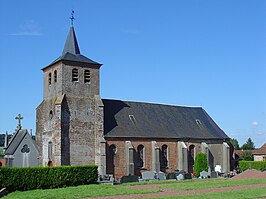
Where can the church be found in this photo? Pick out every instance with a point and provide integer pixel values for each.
(75, 126)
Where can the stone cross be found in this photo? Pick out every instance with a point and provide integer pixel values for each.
(19, 118)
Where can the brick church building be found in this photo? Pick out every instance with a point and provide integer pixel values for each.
(75, 126)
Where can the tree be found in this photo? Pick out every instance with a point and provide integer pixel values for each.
(234, 142)
(247, 156)
(1, 152)
(249, 145)
(201, 163)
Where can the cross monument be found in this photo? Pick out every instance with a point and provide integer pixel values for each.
(19, 118)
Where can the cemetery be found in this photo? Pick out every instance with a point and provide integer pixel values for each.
(250, 183)
(150, 184)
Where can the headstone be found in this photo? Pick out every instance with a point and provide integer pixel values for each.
(218, 168)
(112, 178)
(104, 177)
(171, 176)
(126, 179)
(161, 175)
(180, 177)
(204, 174)
(148, 175)
(214, 174)
(187, 176)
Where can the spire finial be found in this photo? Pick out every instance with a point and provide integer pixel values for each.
(72, 17)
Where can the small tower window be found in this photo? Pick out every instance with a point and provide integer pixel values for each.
(55, 76)
(50, 150)
(75, 75)
(50, 78)
(50, 114)
(87, 76)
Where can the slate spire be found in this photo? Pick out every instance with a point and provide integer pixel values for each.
(71, 45)
(71, 50)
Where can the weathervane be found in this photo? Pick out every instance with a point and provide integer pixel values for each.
(72, 17)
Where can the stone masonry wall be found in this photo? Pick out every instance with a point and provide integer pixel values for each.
(116, 164)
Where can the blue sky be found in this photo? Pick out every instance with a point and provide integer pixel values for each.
(184, 52)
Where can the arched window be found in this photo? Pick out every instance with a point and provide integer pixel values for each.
(50, 150)
(112, 149)
(87, 76)
(140, 156)
(164, 156)
(75, 75)
(191, 154)
(50, 78)
(55, 76)
(192, 151)
(50, 114)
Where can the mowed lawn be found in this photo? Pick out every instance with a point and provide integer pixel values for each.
(87, 191)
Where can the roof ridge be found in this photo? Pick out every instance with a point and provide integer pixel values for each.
(155, 103)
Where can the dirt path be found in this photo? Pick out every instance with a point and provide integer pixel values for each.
(171, 192)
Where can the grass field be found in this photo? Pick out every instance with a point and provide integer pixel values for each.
(212, 184)
(86, 191)
(239, 194)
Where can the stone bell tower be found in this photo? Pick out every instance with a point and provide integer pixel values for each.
(69, 125)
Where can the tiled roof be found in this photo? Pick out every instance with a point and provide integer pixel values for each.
(260, 151)
(147, 120)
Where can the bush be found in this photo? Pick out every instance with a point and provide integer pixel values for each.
(258, 165)
(201, 163)
(46, 177)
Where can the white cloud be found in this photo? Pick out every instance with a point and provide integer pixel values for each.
(255, 123)
(28, 28)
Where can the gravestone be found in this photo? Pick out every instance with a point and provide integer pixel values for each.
(218, 168)
(126, 179)
(104, 178)
(161, 175)
(171, 176)
(187, 176)
(180, 177)
(148, 175)
(214, 174)
(204, 174)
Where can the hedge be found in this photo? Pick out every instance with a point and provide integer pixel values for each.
(258, 165)
(46, 177)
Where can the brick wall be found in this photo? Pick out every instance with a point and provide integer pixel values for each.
(117, 164)
(2, 162)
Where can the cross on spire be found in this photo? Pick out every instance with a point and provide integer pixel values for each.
(19, 118)
(72, 17)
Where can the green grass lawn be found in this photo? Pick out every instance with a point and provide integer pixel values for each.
(203, 184)
(238, 194)
(82, 191)
(86, 191)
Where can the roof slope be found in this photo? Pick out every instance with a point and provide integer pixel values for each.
(16, 140)
(260, 151)
(149, 120)
(71, 51)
